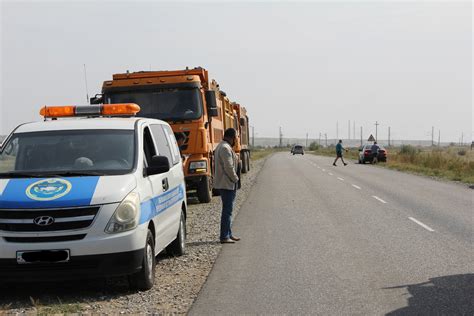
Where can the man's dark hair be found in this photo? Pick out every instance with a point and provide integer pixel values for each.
(230, 133)
(340, 140)
(180, 136)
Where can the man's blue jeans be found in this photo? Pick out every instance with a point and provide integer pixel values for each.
(228, 198)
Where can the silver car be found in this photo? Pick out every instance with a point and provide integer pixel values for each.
(297, 149)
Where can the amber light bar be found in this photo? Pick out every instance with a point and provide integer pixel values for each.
(119, 109)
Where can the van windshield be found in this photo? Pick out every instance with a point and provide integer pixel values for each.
(68, 153)
(164, 104)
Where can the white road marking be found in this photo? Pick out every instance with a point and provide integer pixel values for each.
(330, 174)
(379, 199)
(341, 179)
(421, 224)
(357, 187)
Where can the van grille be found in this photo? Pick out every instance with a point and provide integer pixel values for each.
(23, 220)
(44, 239)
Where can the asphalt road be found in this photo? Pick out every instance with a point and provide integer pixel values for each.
(354, 240)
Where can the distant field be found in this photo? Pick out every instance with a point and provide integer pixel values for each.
(452, 163)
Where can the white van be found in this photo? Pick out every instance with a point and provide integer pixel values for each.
(90, 195)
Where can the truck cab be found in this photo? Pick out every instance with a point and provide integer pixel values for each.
(189, 102)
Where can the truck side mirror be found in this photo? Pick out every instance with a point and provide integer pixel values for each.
(158, 165)
(211, 103)
(97, 99)
(242, 121)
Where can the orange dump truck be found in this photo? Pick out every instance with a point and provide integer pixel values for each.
(192, 104)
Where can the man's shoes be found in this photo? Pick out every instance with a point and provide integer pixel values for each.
(334, 165)
(234, 238)
(227, 241)
(345, 164)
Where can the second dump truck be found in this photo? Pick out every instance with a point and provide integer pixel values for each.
(192, 104)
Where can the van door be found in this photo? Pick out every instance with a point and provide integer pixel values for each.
(152, 206)
(171, 200)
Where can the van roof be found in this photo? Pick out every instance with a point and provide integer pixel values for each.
(82, 123)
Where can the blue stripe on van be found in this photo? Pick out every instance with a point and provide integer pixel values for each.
(157, 205)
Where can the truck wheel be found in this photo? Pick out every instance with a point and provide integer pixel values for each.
(204, 190)
(145, 279)
(177, 247)
(244, 162)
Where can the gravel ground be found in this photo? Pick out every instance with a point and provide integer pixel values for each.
(178, 279)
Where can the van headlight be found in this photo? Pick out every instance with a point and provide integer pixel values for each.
(126, 215)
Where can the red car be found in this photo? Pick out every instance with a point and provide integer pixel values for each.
(365, 154)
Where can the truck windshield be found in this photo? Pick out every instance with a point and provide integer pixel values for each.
(163, 104)
(68, 153)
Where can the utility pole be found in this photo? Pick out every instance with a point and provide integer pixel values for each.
(281, 138)
(319, 138)
(462, 139)
(348, 129)
(354, 130)
(306, 140)
(326, 136)
(361, 142)
(432, 136)
(376, 127)
(389, 136)
(253, 136)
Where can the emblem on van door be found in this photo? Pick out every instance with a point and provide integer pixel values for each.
(48, 190)
(43, 220)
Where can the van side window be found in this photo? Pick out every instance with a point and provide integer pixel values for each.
(162, 142)
(148, 146)
(174, 145)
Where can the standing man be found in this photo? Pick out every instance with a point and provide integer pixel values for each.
(339, 150)
(375, 152)
(226, 181)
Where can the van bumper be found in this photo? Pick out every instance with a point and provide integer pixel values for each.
(79, 267)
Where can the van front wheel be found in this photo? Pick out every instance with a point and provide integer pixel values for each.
(145, 279)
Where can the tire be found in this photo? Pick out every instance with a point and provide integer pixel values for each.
(248, 160)
(244, 162)
(204, 190)
(178, 246)
(145, 278)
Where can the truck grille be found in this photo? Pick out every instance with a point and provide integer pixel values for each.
(46, 220)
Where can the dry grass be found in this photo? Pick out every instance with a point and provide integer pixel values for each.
(453, 163)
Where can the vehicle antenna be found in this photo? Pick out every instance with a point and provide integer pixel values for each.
(85, 80)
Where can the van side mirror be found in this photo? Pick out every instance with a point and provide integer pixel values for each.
(360, 148)
(158, 165)
(211, 103)
(97, 99)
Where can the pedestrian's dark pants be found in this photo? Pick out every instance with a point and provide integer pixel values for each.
(228, 198)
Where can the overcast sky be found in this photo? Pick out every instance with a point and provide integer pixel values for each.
(301, 66)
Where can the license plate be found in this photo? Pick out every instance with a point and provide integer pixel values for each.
(43, 256)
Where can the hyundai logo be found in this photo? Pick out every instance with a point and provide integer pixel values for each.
(43, 220)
